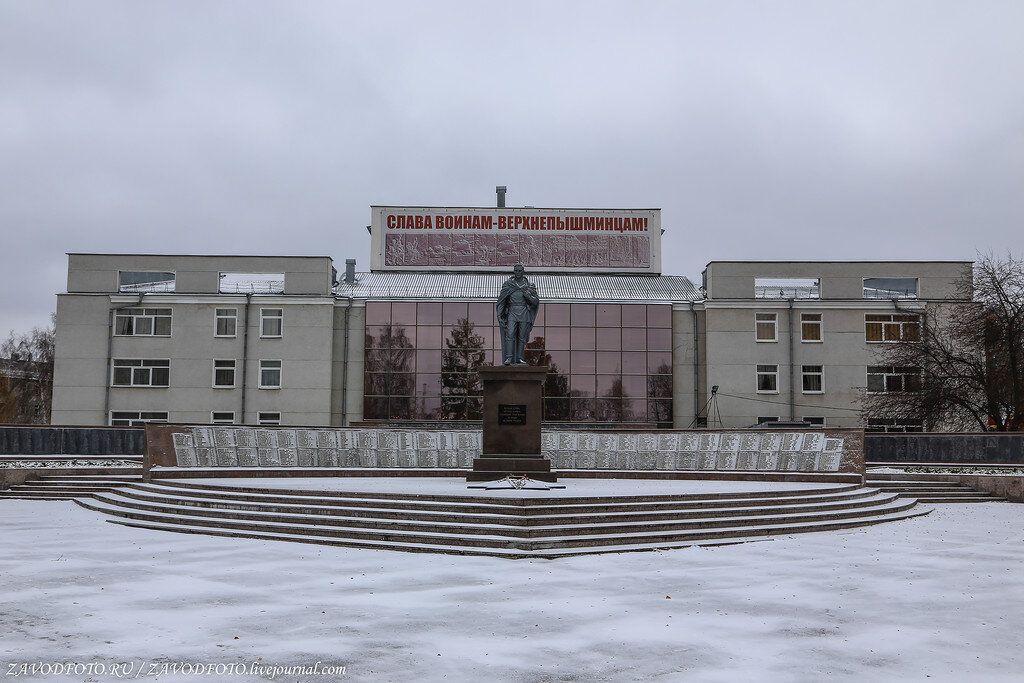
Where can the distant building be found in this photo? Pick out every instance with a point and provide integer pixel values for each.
(285, 340)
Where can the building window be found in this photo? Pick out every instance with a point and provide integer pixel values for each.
(890, 288)
(897, 425)
(132, 281)
(810, 327)
(270, 374)
(271, 322)
(892, 327)
(252, 283)
(813, 379)
(767, 379)
(135, 418)
(219, 417)
(892, 379)
(143, 322)
(787, 288)
(762, 420)
(141, 373)
(765, 327)
(268, 418)
(226, 322)
(223, 374)
(814, 421)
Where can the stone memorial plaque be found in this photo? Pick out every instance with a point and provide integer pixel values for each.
(226, 457)
(833, 445)
(689, 443)
(307, 456)
(588, 441)
(730, 443)
(266, 438)
(447, 459)
(563, 460)
(747, 460)
(766, 462)
(387, 458)
(603, 460)
(629, 442)
(792, 441)
(668, 442)
(327, 457)
(807, 462)
(648, 442)
(206, 457)
(511, 413)
(327, 438)
(710, 442)
(269, 457)
(367, 439)
(463, 458)
(348, 457)
(707, 460)
(646, 459)
(407, 458)
(788, 462)
(286, 438)
(608, 443)
(186, 455)
(426, 459)
(426, 441)
(306, 438)
(828, 462)
(626, 460)
(224, 437)
(248, 457)
(548, 442)
(406, 441)
(686, 461)
(367, 457)
(750, 442)
(289, 457)
(387, 440)
(466, 440)
(568, 441)
(770, 443)
(245, 438)
(347, 439)
(666, 460)
(203, 437)
(814, 441)
(585, 460)
(727, 460)
(448, 441)
(182, 440)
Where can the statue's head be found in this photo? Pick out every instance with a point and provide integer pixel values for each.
(518, 270)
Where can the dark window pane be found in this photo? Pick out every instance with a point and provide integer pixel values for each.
(428, 384)
(556, 409)
(634, 362)
(402, 313)
(556, 338)
(659, 340)
(634, 315)
(539, 320)
(400, 407)
(912, 382)
(556, 384)
(634, 386)
(583, 362)
(375, 338)
(609, 339)
(634, 339)
(659, 411)
(427, 408)
(609, 385)
(583, 315)
(451, 311)
(582, 385)
(482, 314)
(582, 409)
(556, 314)
(608, 409)
(659, 386)
(534, 357)
(428, 314)
(375, 383)
(634, 410)
(876, 382)
(401, 384)
(378, 313)
(474, 408)
(375, 408)
(609, 315)
(428, 337)
(582, 338)
(428, 361)
(559, 360)
(659, 363)
(609, 362)
(659, 316)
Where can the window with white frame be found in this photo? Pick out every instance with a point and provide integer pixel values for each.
(787, 288)
(810, 327)
(772, 418)
(133, 281)
(878, 424)
(890, 288)
(226, 324)
(135, 418)
(767, 379)
(814, 421)
(223, 374)
(882, 327)
(149, 372)
(270, 374)
(142, 322)
(222, 417)
(883, 379)
(813, 378)
(271, 322)
(268, 418)
(766, 327)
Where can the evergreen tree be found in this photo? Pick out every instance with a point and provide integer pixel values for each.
(461, 392)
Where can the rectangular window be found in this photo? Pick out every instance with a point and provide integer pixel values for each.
(140, 373)
(814, 421)
(787, 288)
(135, 418)
(762, 420)
(893, 425)
(270, 374)
(224, 374)
(810, 327)
(252, 283)
(219, 417)
(765, 327)
(893, 379)
(891, 328)
(767, 379)
(144, 281)
(271, 322)
(142, 322)
(890, 288)
(226, 322)
(268, 418)
(813, 379)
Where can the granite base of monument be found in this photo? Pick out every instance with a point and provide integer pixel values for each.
(512, 414)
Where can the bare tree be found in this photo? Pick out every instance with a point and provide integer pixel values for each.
(26, 376)
(965, 371)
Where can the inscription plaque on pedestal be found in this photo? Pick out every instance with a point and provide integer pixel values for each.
(511, 414)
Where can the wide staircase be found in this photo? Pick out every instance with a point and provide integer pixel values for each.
(504, 526)
(929, 488)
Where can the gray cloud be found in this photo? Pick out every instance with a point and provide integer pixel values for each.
(782, 130)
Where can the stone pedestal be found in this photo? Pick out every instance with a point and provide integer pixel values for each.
(511, 422)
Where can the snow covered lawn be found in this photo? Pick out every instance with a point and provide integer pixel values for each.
(938, 596)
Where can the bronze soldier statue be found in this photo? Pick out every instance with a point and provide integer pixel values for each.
(517, 309)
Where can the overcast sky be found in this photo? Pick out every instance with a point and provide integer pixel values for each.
(764, 130)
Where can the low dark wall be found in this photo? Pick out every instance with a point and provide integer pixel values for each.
(1007, 449)
(38, 440)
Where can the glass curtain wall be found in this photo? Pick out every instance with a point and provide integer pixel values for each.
(608, 362)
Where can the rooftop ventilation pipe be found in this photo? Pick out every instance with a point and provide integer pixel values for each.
(501, 190)
(350, 271)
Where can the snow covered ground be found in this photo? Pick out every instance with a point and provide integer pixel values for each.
(936, 597)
